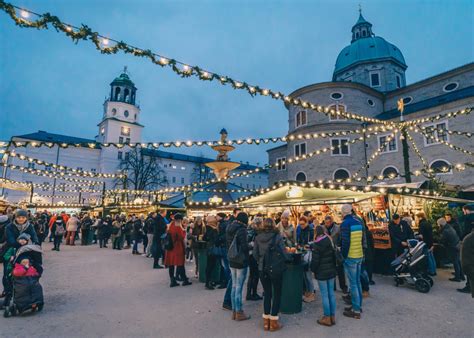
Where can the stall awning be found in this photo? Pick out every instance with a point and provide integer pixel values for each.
(14, 185)
(294, 195)
(445, 199)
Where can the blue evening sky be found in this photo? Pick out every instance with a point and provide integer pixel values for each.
(49, 83)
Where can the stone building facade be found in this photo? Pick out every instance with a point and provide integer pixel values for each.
(369, 79)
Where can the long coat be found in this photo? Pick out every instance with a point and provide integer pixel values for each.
(176, 256)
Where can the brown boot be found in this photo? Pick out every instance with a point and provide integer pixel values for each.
(233, 315)
(325, 321)
(309, 297)
(333, 320)
(266, 322)
(275, 324)
(240, 316)
(365, 294)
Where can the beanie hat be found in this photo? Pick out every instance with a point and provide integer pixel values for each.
(441, 222)
(285, 214)
(178, 217)
(242, 217)
(346, 209)
(21, 213)
(24, 236)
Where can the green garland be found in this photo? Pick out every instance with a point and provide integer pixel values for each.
(86, 33)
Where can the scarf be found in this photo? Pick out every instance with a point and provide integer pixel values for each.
(22, 227)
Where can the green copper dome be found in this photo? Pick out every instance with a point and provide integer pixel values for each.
(123, 79)
(371, 48)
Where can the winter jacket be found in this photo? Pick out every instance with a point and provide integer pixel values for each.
(449, 237)
(72, 224)
(426, 230)
(175, 257)
(399, 233)
(456, 227)
(240, 230)
(55, 225)
(335, 232)
(159, 228)
(86, 223)
(468, 224)
(3, 225)
(137, 230)
(304, 236)
(351, 237)
(211, 236)
(288, 234)
(369, 250)
(221, 240)
(323, 262)
(262, 242)
(467, 258)
(12, 234)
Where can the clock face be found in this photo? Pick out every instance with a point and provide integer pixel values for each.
(126, 113)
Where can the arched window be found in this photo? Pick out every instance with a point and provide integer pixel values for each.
(126, 113)
(126, 95)
(364, 33)
(301, 177)
(441, 167)
(390, 172)
(341, 174)
(357, 35)
(334, 109)
(114, 111)
(117, 93)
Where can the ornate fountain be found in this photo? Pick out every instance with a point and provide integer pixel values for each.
(222, 166)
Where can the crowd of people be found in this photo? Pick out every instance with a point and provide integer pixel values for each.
(253, 250)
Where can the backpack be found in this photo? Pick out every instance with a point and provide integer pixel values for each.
(234, 254)
(274, 262)
(168, 242)
(59, 230)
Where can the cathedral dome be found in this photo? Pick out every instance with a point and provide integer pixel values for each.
(372, 48)
(123, 80)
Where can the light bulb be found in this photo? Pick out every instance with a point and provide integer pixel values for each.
(24, 13)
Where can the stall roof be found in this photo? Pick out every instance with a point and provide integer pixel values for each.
(295, 195)
(445, 199)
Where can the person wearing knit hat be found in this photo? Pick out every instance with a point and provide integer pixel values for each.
(211, 237)
(450, 240)
(286, 229)
(346, 209)
(20, 225)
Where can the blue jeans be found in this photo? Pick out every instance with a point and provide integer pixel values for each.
(238, 279)
(353, 267)
(431, 263)
(228, 291)
(326, 287)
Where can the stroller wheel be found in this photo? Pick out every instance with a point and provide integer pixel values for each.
(430, 280)
(422, 285)
(39, 308)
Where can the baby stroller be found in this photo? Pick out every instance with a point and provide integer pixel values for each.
(412, 267)
(27, 293)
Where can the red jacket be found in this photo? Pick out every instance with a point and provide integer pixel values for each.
(176, 256)
(22, 271)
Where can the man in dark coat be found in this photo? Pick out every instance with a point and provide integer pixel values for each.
(450, 240)
(86, 224)
(159, 229)
(426, 232)
(238, 230)
(400, 233)
(468, 211)
(467, 258)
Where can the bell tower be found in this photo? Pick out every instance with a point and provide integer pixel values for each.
(120, 121)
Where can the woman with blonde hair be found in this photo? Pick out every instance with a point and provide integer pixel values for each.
(269, 252)
(197, 233)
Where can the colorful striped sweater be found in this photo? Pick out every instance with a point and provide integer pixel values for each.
(351, 237)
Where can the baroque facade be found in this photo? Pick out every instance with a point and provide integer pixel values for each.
(369, 79)
(120, 123)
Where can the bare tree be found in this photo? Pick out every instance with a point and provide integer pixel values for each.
(143, 172)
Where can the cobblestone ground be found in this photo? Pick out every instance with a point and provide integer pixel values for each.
(92, 292)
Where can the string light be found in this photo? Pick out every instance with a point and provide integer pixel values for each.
(74, 171)
(418, 153)
(86, 33)
(448, 115)
(450, 145)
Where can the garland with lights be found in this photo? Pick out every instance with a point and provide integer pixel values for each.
(374, 155)
(46, 173)
(69, 171)
(450, 132)
(453, 114)
(450, 145)
(418, 153)
(103, 44)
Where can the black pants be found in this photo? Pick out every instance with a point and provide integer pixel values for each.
(128, 238)
(180, 271)
(370, 268)
(57, 241)
(341, 277)
(211, 264)
(117, 244)
(272, 294)
(252, 282)
(102, 242)
(84, 236)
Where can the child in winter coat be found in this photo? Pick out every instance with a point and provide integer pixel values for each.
(24, 269)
